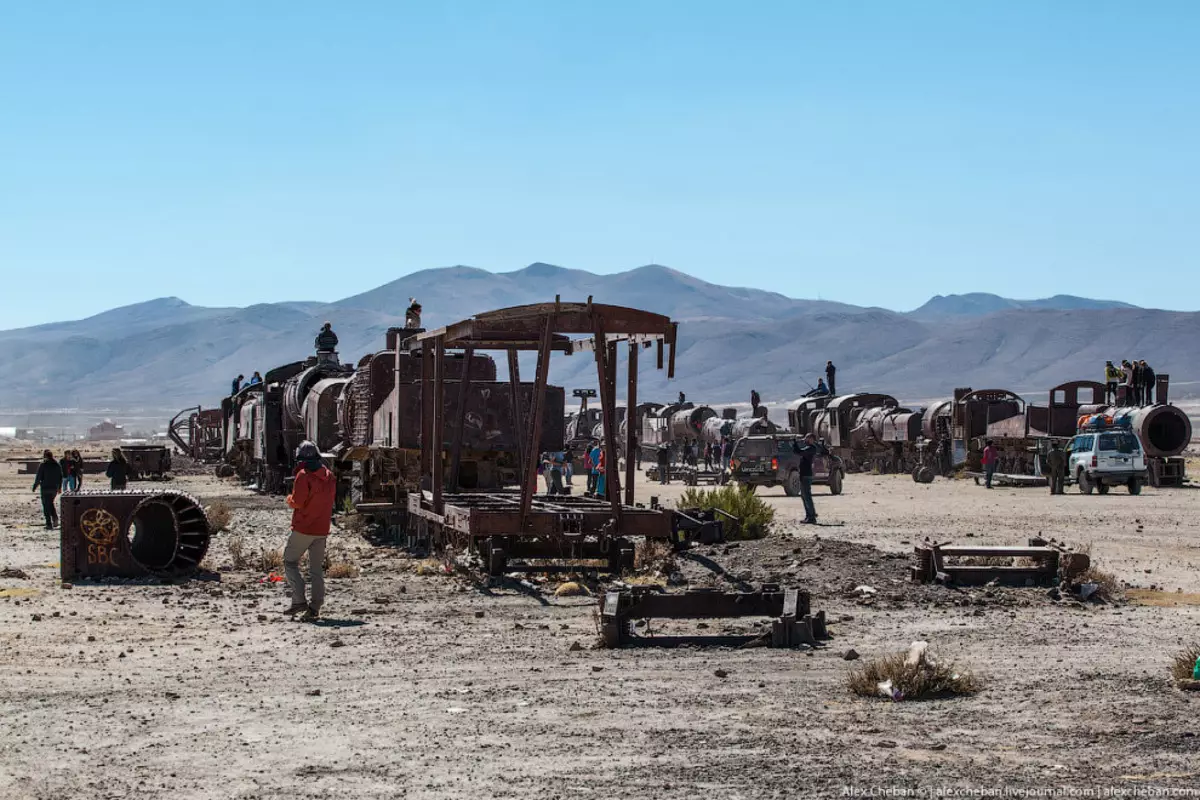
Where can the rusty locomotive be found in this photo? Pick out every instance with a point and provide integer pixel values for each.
(873, 432)
(366, 420)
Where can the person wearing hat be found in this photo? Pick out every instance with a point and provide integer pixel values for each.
(311, 501)
(49, 479)
(1112, 378)
(412, 315)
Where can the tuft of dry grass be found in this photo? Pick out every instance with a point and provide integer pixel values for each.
(926, 681)
(1109, 587)
(1183, 664)
(651, 555)
(430, 566)
(571, 589)
(243, 558)
(219, 516)
(339, 562)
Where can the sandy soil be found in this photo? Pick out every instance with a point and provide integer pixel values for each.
(447, 686)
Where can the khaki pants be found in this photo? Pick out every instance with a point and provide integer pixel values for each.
(297, 545)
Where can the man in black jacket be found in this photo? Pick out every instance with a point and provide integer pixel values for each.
(807, 452)
(831, 378)
(1148, 379)
(49, 478)
(326, 341)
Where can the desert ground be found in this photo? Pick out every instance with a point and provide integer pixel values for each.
(423, 683)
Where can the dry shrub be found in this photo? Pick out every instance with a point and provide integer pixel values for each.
(430, 566)
(237, 553)
(270, 560)
(571, 589)
(339, 563)
(754, 514)
(652, 555)
(219, 516)
(927, 681)
(1109, 588)
(1184, 663)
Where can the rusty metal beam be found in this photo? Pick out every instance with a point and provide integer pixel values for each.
(529, 484)
(612, 469)
(464, 385)
(514, 385)
(426, 411)
(439, 413)
(631, 423)
(674, 337)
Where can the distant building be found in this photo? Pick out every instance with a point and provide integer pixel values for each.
(106, 432)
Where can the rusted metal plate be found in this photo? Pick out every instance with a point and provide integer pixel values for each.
(129, 534)
(488, 424)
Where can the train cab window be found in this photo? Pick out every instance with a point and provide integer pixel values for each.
(1060, 397)
(1097, 397)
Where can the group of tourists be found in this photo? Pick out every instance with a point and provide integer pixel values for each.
(237, 384)
(1137, 377)
(66, 475)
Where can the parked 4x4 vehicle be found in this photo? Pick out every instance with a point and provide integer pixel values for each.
(770, 460)
(1104, 458)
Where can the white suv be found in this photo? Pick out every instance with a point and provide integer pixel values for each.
(1104, 458)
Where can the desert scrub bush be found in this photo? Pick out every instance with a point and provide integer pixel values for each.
(219, 516)
(754, 514)
(339, 563)
(241, 557)
(1183, 664)
(1108, 588)
(651, 555)
(926, 679)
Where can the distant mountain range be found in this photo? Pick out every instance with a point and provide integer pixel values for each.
(166, 353)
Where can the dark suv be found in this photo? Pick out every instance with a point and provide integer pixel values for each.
(770, 460)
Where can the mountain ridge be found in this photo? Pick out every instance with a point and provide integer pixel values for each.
(731, 338)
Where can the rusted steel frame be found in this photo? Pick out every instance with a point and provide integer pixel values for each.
(439, 412)
(631, 422)
(426, 411)
(464, 384)
(514, 384)
(485, 523)
(529, 484)
(612, 469)
(674, 337)
(572, 318)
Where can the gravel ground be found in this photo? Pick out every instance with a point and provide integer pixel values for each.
(435, 685)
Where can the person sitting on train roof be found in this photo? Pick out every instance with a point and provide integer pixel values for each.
(237, 384)
(412, 315)
(255, 378)
(326, 341)
(821, 390)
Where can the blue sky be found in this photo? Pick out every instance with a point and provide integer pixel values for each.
(233, 152)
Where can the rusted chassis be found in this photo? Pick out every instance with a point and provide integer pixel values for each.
(520, 525)
(793, 622)
(868, 431)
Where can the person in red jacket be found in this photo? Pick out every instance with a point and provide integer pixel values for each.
(312, 500)
(990, 457)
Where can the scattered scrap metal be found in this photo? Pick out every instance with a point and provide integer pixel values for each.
(793, 622)
(1039, 564)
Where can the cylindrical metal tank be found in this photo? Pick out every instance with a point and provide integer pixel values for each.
(320, 413)
(1164, 431)
(929, 419)
(687, 424)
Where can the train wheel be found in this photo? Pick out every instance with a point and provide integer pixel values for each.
(835, 482)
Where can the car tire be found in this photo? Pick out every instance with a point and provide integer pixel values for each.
(835, 482)
(1135, 486)
(1084, 482)
(791, 484)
